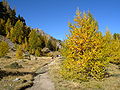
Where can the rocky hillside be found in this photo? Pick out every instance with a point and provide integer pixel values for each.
(10, 43)
(13, 30)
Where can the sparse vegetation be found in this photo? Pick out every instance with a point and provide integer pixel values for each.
(14, 65)
(22, 69)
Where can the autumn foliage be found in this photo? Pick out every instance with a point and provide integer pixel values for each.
(86, 50)
(19, 52)
(4, 48)
(30, 40)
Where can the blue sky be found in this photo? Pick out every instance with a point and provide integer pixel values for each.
(52, 16)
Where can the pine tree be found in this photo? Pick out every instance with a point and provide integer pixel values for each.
(4, 48)
(83, 50)
(8, 27)
(34, 41)
(2, 28)
(6, 5)
(116, 36)
(112, 43)
(26, 31)
(49, 45)
(107, 39)
(25, 45)
(115, 51)
(41, 37)
(114, 46)
(37, 52)
(45, 38)
(17, 32)
(19, 52)
(52, 45)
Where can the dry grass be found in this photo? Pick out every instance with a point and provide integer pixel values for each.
(25, 74)
(8, 83)
(111, 83)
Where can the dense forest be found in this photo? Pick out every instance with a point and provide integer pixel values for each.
(24, 37)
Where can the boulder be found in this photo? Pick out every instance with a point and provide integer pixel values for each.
(45, 50)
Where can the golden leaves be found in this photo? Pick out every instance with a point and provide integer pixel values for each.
(84, 49)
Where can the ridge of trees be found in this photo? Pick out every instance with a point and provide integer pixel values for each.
(14, 28)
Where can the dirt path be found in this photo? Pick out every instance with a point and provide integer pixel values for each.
(42, 81)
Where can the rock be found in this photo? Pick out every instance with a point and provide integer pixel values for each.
(32, 57)
(45, 50)
(10, 43)
(16, 79)
(58, 56)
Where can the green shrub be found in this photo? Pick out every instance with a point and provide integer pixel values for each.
(14, 65)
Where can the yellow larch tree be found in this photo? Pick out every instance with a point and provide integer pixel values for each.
(83, 50)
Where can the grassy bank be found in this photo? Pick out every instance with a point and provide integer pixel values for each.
(110, 83)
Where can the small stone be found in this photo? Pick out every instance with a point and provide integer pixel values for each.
(16, 79)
